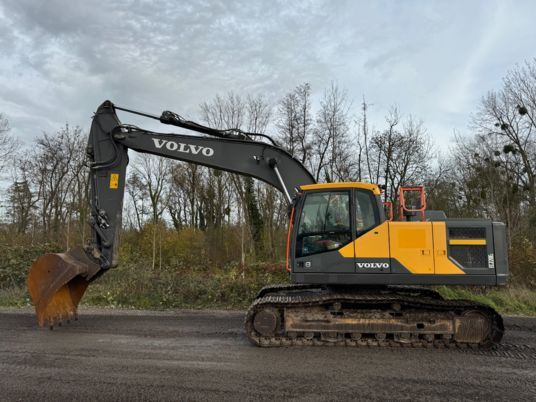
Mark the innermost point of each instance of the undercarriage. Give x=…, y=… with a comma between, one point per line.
x=288, y=315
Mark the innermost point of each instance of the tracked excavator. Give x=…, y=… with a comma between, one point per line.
x=358, y=277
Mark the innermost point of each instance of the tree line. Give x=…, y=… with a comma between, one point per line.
x=488, y=173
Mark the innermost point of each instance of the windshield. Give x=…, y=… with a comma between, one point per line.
x=324, y=223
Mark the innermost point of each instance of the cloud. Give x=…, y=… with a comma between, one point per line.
x=60, y=59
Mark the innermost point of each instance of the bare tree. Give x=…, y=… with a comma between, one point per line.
x=332, y=145
x=224, y=111
x=399, y=156
x=366, y=136
x=411, y=160
x=392, y=120
x=253, y=114
x=55, y=165
x=137, y=190
x=499, y=116
x=151, y=174
x=177, y=202
x=8, y=144
x=294, y=122
x=153, y=171
x=21, y=205
x=49, y=187
x=506, y=126
x=381, y=150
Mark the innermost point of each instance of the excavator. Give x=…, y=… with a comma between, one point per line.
x=358, y=277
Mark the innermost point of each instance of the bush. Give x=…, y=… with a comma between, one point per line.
x=188, y=247
x=136, y=285
x=522, y=261
x=16, y=260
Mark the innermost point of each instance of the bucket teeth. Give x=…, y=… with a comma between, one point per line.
x=56, y=284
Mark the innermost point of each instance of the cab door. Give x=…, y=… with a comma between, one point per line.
x=324, y=233
x=371, y=245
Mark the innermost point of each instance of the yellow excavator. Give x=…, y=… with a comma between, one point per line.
x=357, y=275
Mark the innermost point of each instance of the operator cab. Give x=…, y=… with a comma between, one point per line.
x=328, y=218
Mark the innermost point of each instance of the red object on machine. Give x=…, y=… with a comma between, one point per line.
x=404, y=210
x=388, y=205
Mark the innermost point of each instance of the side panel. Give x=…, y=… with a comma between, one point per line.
x=443, y=264
x=411, y=247
x=471, y=246
x=372, y=251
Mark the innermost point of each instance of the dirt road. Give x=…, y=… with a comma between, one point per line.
x=191, y=355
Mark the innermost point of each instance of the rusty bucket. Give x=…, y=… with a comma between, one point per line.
x=57, y=282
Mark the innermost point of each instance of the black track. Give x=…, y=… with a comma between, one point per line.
x=423, y=300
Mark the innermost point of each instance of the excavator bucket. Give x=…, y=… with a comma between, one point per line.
x=57, y=282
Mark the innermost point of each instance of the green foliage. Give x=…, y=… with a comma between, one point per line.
x=15, y=262
x=509, y=300
x=14, y=297
x=188, y=247
x=201, y=269
x=523, y=263
x=135, y=285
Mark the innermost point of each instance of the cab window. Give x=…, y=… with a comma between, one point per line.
x=366, y=213
x=324, y=223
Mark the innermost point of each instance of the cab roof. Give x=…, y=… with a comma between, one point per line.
x=343, y=185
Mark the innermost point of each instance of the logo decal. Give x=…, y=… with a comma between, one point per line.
x=183, y=148
x=373, y=265
x=491, y=261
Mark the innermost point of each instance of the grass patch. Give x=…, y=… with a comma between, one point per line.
x=509, y=300
x=14, y=297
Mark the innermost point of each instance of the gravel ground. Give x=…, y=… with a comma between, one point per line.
x=204, y=355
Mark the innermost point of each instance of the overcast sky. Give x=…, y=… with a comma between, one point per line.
x=61, y=59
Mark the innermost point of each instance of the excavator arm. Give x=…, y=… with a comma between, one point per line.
x=57, y=282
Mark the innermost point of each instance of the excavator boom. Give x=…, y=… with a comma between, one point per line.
x=57, y=282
